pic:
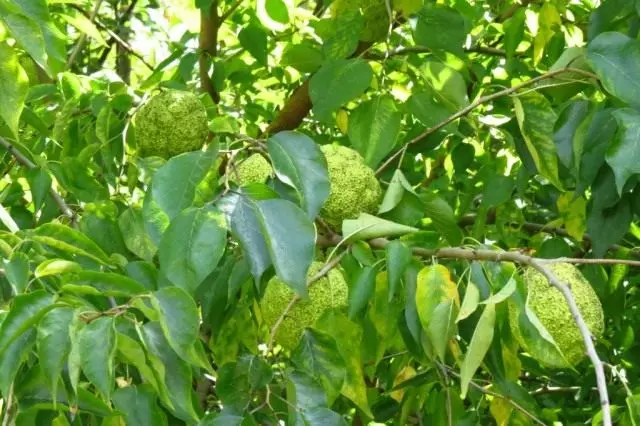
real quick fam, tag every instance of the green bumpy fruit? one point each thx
(551, 308)
(354, 187)
(171, 123)
(255, 169)
(376, 17)
(331, 291)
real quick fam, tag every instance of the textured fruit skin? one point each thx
(354, 187)
(255, 169)
(328, 292)
(376, 17)
(552, 310)
(171, 123)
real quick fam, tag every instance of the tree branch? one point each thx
(123, 19)
(208, 43)
(230, 10)
(83, 37)
(541, 266)
(483, 100)
(22, 159)
(321, 273)
(374, 56)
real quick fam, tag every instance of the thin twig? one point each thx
(22, 159)
(484, 99)
(497, 395)
(230, 10)
(7, 412)
(83, 37)
(321, 273)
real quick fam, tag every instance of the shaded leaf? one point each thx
(54, 344)
(138, 405)
(625, 149)
(440, 27)
(13, 357)
(40, 184)
(14, 85)
(398, 259)
(106, 283)
(361, 291)
(367, 227)
(480, 343)
(25, 312)
(16, 269)
(97, 359)
(69, 240)
(136, 238)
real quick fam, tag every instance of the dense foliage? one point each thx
(235, 212)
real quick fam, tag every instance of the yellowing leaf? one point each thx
(574, 214)
(342, 121)
(403, 375)
(550, 22)
(438, 304)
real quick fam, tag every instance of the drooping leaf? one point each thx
(536, 119)
(25, 312)
(443, 217)
(27, 33)
(374, 128)
(615, 58)
(254, 39)
(14, 85)
(54, 344)
(336, 83)
(401, 203)
(303, 393)
(97, 359)
(17, 271)
(69, 240)
(622, 153)
(398, 259)
(138, 405)
(13, 357)
(107, 283)
(440, 27)
(136, 238)
(237, 380)
(192, 246)
(361, 291)
(480, 343)
(367, 227)
(550, 22)
(299, 163)
(40, 183)
(438, 305)
(447, 83)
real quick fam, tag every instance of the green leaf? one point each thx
(514, 32)
(27, 33)
(443, 218)
(322, 416)
(447, 83)
(367, 227)
(497, 190)
(374, 127)
(337, 325)
(131, 352)
(220, 419)
(290, 238)
(347, 27)
(107, 283)
(254, 40)
(178, 318)
(615, 58)
(139, 406)
(438, 305)
(16, 270)
(273, 12)
(317, 355)
(401, 204)
(398, 259)
(173, 186)
(480, 343)
(40, 184)
(429, 109)
(303, 393)
(536, 119)
(299, 163)
(238, 380)
(136, 238)
(25, 312)
(54, 344)
(625, 149)
(14, 85)
(361, 291)
(13, 357)
(192, 246)
(96, 360)
(56, 267)
(440, 27)
(69, 240)
(601, 131)
(470, 302)
(336, 83)
(85, 26)
(304, 57)
(607, 226)
(570, 130)
(549, 22)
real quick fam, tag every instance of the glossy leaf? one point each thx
(97, 360)
(299, 163)
(620, 155)
(367, 227)
(440, 27)
(13, 357)
(54, 344)
(40, 184)
(480, 343)
(14, 84)
(17, 271)
(138, 405)
(192, 246)
(136, 238)
(398, 259)
(26, 311)
(106, 283)
(70, 241)
(361, 291)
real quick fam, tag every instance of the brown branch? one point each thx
(321, 273)
(209, 25)
(22, 159)
(541, 266)
(123, 19)
(483, 100)
(83, 37)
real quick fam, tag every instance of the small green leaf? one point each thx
(299, 163)
(536, 119)
(40, 184)
(469, 302)
(615, 58)
(17, 271)
(192, 246)
(220, 419)
(254, 40)
(25, 312)
(178, 318)
(139, 406)
(367, 227)
(480, 343)
(514, 32)
(136, 238)
(14, 85)
(398, 259)
(304, 57)
(107, 283)
(374, 127)
(238, 380)
(54, 344)
(440, 27)
(13, 357)
(27, 33)
(447, 83)
(96, 360)
(361, 291)
(343, 42)
(85, 26)
(336, 83)
(317, 355)
(401, 204)
(625, 149)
